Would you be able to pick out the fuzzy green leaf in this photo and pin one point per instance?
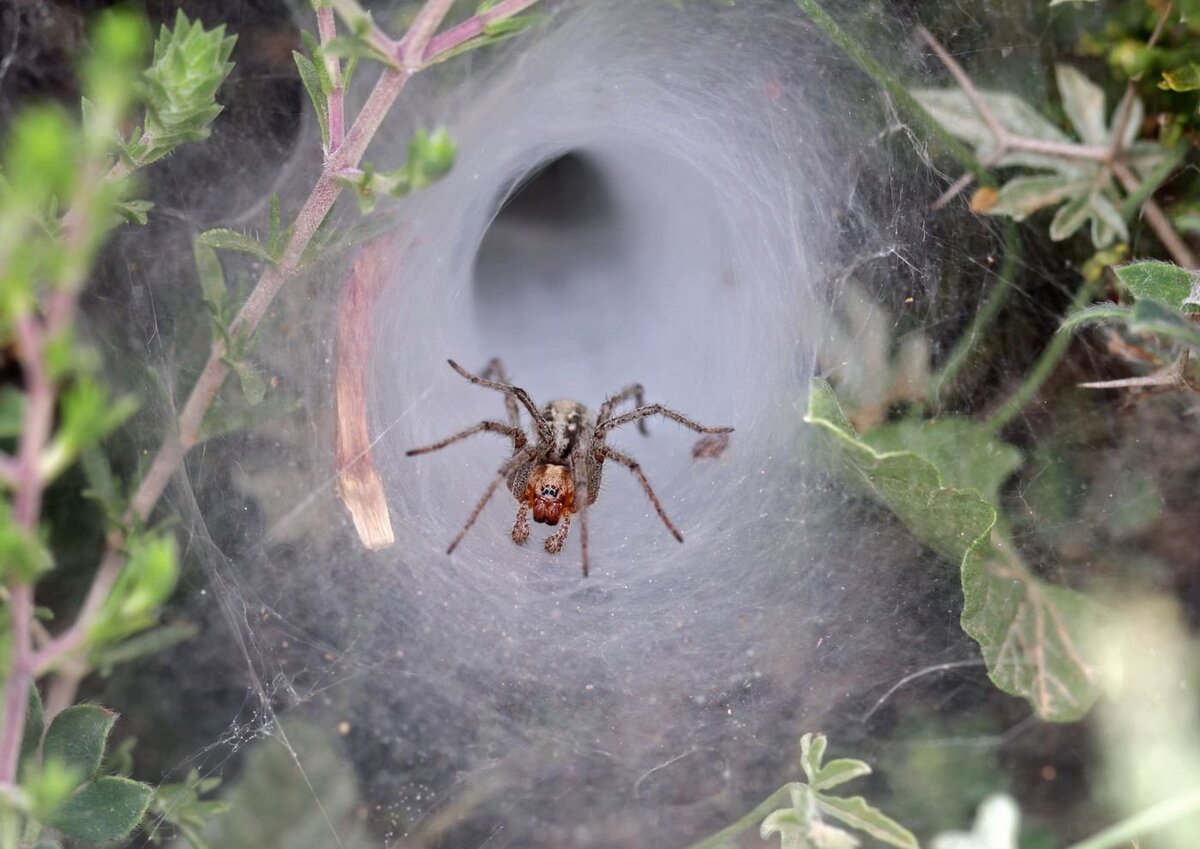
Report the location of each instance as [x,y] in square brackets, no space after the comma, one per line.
[1151,317]
[1083,101]
[144,584]
[839,771]
[948,520]
[312,84]
[856,813]
[134,211]
[231,240]
[812,752]
[1073,215]
[31,738]
[1029,632]
[180,87]
[1160,281]
[77,738]
[103,810]
[1023,196]
[254,386]
[210,274]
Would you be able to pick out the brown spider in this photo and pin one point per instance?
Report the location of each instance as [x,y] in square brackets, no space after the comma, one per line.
[567,457]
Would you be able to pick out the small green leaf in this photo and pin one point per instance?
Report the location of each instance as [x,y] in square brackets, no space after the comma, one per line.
[12,411]
[1073,215]
[1159,281]
[1185,78]
[145,583]
[1083,101]
[856,813]
[151,642]
[1021,197]
[812,752]
[103,810]
[134,211]
[77,738]
[839,771]
[34,725]
[231,240]
[508,27]
[211,275]
[312,84]
[254,386]
[23,555]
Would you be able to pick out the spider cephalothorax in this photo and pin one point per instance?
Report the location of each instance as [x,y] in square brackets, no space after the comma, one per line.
[558,476]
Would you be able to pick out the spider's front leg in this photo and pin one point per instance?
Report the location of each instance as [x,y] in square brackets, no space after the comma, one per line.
[555,541]
[520,531]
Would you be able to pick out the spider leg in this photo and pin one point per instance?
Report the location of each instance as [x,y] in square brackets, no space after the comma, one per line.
[514,433]
[495,369]
[656,410]
[579,472]
[539,421]
[520,531]
[554,542]
[628,462]
[634,391]
[511,463]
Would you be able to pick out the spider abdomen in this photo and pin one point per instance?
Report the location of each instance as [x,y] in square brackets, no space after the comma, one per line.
[567,420]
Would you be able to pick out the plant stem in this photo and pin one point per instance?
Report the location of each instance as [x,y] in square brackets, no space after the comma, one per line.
[472,28]
[723,838]
[327,30]
[1158,221]
[1044,366]
[1156,816]
[986,313]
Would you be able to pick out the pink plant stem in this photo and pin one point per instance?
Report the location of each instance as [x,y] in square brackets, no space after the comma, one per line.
[472,27]
[327,30]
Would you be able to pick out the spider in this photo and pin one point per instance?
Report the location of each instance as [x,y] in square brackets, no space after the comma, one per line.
[548,477]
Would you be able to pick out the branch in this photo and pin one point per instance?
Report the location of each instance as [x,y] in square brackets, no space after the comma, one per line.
[327,30]
[471,28]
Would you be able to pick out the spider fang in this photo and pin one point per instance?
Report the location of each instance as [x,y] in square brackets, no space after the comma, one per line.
[567,457]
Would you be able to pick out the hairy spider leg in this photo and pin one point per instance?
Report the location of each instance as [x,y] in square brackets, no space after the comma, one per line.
[656,410]
[514,433]
[520,531]
[634,391]
[580,474]
[554,542]
[628,462]
[495,369]
[522,456]
[543,427]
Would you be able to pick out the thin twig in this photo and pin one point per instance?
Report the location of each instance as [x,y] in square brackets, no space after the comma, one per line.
[474,27]
[1173,376]
[411,47]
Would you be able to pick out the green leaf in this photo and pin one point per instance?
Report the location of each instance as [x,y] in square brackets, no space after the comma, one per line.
[254,386]
[23,555]
[1083,101]
[103,810]
[180,87]
[856,813]
[812,752]
[12,411]
[508,27]
[231,240]
[1160,281]
[1151,317]
[134,211]
[152,642]
[839,771]
[31,738]
[1073,215]
[88,415]
[1007,610]
[1023,196]
[211,276]
[947,520]
[77,738]
[144,584]
[312,84]
[1032,634]
[1185,78]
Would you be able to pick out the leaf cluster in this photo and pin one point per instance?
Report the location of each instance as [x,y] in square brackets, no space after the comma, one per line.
[430,157]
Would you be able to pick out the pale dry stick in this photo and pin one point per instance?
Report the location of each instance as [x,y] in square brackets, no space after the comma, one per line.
[1173,376]
[176,444]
